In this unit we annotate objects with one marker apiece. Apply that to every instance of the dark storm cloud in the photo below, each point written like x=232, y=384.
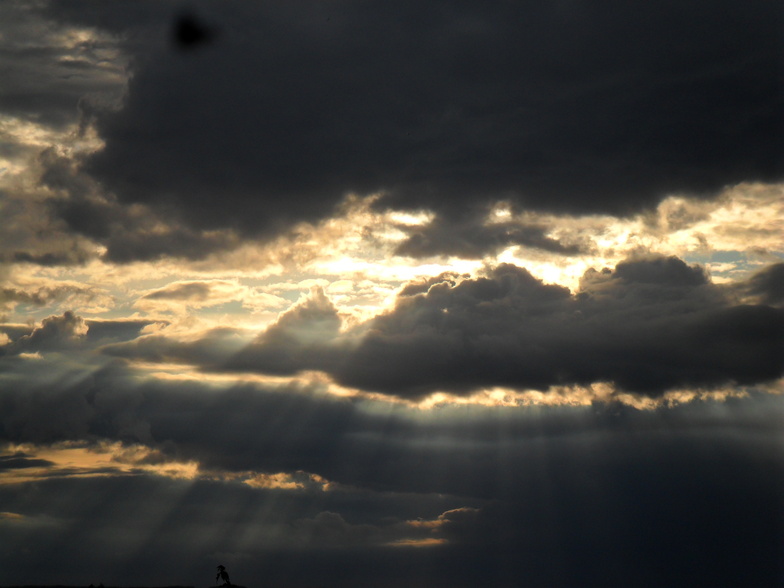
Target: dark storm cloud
x=559, y=496
x=573, y=107
x=290, y=428
x=197, y=509
x=355, y=443
x=596, y=496
x=651, y=325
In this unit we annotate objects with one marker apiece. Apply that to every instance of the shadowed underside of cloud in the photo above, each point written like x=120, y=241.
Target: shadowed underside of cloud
x=574, y=108
x=650, y=325
x=470, y=236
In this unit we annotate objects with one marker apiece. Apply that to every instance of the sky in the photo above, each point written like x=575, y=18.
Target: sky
x=350, y=293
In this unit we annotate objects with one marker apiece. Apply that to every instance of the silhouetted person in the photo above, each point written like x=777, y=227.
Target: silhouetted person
x=223, y=575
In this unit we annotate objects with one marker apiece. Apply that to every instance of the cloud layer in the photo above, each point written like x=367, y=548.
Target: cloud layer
x=423, y=384
x=564, y=107
x=542, y=485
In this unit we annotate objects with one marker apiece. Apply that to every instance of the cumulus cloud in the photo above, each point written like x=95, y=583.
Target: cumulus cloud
x=648, y=326
x=67, y=332
x=55, y=332
x=301, y=337
x=651, y=325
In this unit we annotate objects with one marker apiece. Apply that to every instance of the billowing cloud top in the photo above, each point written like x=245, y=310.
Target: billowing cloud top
x=650, y=325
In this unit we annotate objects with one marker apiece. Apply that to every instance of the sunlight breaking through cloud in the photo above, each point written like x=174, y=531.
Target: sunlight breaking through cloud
x=355, y=294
